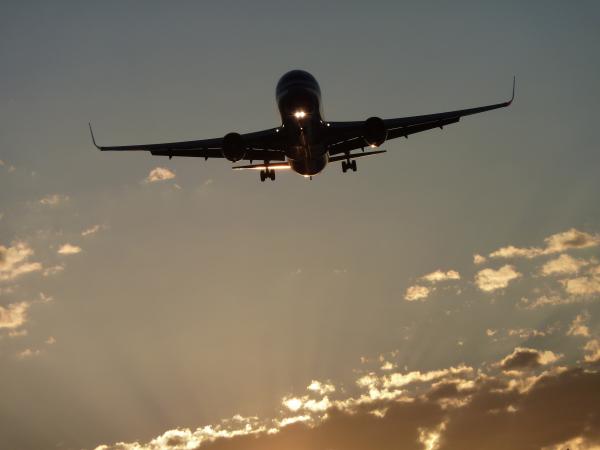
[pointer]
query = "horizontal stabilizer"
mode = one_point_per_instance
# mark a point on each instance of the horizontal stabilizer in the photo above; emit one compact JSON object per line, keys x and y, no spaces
{"x":354,"y":155}
{"x":274,"y":166}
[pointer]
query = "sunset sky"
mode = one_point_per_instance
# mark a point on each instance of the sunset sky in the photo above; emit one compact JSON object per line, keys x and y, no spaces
{"x":445,"y":296}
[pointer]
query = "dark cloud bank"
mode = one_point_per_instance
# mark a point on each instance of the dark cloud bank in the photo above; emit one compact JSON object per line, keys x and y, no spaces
{"x":551,"y":410}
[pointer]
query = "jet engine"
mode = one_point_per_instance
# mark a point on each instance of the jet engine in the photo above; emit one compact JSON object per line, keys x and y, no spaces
{"x":375,"y":132}
{"x":234,"y":148}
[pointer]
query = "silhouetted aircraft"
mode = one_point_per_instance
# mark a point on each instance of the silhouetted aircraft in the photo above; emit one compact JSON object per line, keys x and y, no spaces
{"x":305,"y":142}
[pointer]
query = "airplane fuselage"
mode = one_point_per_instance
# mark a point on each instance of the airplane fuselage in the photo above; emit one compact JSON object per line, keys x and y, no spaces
{"x":299,"y":102}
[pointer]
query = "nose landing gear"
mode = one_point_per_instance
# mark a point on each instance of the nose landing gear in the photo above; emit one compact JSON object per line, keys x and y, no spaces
{"x":267,"y":173}
{"x":349,"y":165}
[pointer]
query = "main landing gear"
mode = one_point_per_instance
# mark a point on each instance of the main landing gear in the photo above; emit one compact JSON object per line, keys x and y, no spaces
{"x":267,"y":173}
{"x":349,"y":165}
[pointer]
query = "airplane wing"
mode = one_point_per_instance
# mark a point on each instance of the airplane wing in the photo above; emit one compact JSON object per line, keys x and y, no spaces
{"x":263,"y":145}
{"x":347,"y":136}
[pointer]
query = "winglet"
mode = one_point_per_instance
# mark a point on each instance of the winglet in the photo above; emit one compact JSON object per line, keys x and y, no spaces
{"x":93,"y":139}
{"x":513,"y":91}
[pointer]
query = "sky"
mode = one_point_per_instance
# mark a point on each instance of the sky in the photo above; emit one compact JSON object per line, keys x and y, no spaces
{"x":445,"y":296}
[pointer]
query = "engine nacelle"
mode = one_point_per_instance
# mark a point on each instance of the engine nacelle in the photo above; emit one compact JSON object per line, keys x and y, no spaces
{"x":375,"y":132}
{"x":234,"y":148}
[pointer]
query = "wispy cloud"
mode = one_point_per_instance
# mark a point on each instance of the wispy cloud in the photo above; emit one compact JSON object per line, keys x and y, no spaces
{"x":92,"y":230}
{"x":547,"y":300}
{"x":579,"y":325}
{"x":28,"y":353}
{"x":17,"y":333}
{"x":556,"y":243}
{"x":69,"y":249}
{"x":14,"y":261}
{"x":53,"y":270}
{"x":54,"y":199}
{"x":14,"y":315}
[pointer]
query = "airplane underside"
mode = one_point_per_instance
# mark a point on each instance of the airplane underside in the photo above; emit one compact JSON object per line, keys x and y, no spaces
{"x":307,"y":167}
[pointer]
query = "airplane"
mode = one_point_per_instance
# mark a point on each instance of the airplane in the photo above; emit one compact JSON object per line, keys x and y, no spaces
{"x":305,"y":142}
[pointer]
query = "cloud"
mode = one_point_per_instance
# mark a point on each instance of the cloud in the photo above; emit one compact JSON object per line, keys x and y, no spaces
{"x":69,"y":249}
{"x":91,"y":230}
{"x":467,"y":413}
{"x":527,"y":358}
{"x":53,"y":270}
{"x":51,"y":340}
{"x":387,"y":365}
{"x":292,"y":403}
{"x":584,"y":286}
{"x":417,"y":292}
{"x":479,"y":259}
{"x":14,"y":261}
{"x":577,"y":443}
{"x":321,"y":388}
{"x":515,"y":252}
{"x":556,"y":243}
{"x":45,"y":298}
{"x":400,"y":379}
{"x":547,"y":300}
{"x":159,"y":174}
{"x":420,"y":292}
{"x":316,"y":405}
{"x":578,"y":326}
{"x":184,"y":438}
{"x":54,"y":199}
{"x":592,"y":350}
{"x":570,"y":239}
{"x":563,"y":265}
{"x":489,"y":280}
{"x":28,"y":353}
{"x":525,"y":333}
{"x":14,"y":315}
{"x":17,"y":333}
{"x":438,"y":275}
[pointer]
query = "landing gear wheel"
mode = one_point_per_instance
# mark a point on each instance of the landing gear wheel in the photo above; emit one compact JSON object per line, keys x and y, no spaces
{"x":272,"y":175}
{"x":353,"y":165}
{"x":344,"y":166}
{"x":263,"y":175}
